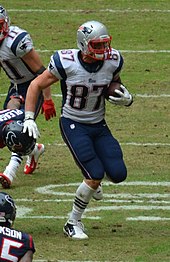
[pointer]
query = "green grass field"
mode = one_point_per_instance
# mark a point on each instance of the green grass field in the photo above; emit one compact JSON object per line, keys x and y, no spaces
{"x":132,"y":222}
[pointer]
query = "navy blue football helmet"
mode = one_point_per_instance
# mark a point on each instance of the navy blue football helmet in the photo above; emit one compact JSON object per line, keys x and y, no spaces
{"x":7,"y":210}
{"x":17,"y":141}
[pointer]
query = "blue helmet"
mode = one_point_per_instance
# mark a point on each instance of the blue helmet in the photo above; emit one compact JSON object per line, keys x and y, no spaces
{"x":17,"y":141}
{"x":7,"y":210}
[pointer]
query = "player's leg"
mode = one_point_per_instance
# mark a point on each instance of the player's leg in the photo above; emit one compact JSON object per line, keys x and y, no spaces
{"x":9,"y":173}
{"x":80,"y":144}
{"x":111,"y":155}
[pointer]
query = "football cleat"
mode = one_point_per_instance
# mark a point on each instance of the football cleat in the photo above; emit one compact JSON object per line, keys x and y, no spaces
{"x":98,"y":194}
{"x":32,"y":159}
{"x":74,"y":230}
{"x":5,"y":181}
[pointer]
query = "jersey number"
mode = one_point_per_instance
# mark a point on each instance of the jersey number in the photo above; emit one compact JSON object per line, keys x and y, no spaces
{"x":79,"y":96}
{"x":7,"y":244}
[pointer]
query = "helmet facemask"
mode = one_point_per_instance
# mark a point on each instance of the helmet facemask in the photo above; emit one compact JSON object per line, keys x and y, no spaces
{"x":99,"y":49}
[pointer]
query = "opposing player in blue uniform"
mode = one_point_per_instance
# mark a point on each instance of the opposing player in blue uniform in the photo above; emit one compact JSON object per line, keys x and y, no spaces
{"x":21,"y":64}
{"x":11,"y":126}
{"x":15,"y":245}
{"x":85,"y":73}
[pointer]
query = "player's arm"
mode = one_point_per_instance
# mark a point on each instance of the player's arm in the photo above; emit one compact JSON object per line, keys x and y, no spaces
{"x":41,"y":82}
{"x":28,"y":257}
{"x":37,"y":85}
{"x":33,"y":60}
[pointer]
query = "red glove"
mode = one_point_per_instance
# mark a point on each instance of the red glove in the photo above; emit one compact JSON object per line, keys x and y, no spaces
{"x":48,"y":108}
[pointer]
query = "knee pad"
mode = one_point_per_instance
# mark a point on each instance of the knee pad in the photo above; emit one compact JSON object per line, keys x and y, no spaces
{"x":118,"y":173}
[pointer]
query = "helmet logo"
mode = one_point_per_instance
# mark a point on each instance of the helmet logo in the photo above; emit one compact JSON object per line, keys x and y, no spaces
{"x":2,"y":11}
{"x":85,"y":30}
{"x":9,"y":200}
{"x":11,"y":141}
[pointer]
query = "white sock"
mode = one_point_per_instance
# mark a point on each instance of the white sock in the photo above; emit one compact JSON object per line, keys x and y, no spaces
{"x":83,"y":195}
{"x":11,"y":169}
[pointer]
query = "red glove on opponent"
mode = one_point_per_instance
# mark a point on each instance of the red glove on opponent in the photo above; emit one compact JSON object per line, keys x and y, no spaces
{"x":48,"y":108}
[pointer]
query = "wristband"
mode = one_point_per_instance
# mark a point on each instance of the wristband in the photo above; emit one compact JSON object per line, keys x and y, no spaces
{"x":29,"y":115}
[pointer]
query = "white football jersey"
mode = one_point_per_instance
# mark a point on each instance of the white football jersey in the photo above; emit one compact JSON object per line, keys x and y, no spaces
{"x":83,"y":91}
{"x":13,"y":48}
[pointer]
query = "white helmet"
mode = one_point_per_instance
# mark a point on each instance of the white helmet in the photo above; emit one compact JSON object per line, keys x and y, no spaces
{"x":93,"y":40}
{"x":4,"y":23}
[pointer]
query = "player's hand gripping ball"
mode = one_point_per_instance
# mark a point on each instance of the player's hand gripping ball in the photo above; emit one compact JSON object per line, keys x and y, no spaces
{"x":110,"y":90}
{"x":118,"y":94}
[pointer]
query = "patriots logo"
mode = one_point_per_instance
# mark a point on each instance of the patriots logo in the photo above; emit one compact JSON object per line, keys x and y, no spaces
{"x":12,"y":141}
{"x":2,"y":10}
{"x":51,"y":67}
{"x":92,"y":80}
{"x":23,"y":45}
{"x":85,"y":30}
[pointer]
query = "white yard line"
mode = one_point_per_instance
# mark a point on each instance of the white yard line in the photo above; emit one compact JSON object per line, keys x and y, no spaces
{"x":136,"y":95}
{"x":122,"y":51}
{"x":40,"y":260}
{"x":118,"y":201}
{"x":146,"y":218}
{"x":124,"y":144}
{"x":92,"y":10}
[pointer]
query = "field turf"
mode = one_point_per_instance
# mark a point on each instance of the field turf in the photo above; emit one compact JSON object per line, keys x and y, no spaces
{"x":132,"y":222}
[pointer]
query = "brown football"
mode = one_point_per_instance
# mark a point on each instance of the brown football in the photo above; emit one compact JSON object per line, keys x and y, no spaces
{"x":110,"y":90}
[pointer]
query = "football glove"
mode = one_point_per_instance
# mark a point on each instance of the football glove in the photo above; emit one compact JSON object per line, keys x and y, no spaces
{"x":30,"y":125}
{"x":124,"y":99}
{"x":48,"y":108}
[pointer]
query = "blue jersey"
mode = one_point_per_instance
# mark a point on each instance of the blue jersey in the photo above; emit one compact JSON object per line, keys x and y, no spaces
{"x":14,"y":244}
{"x":7,"y":115}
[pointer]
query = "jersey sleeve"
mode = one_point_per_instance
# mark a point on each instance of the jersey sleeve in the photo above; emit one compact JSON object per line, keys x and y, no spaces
{"x":31,"y":244}
{"x":28,"y":242}
{"x":64,"y":64}
{"x":56,"y":68}
{"x":117,"y":62}
{"x":22,"y":44}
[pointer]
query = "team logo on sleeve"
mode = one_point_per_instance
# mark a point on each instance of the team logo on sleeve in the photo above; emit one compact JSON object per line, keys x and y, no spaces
{"x":51,"y":67}
{"x":23,"y":44}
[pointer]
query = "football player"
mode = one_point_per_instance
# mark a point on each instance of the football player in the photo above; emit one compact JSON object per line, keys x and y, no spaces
{"x":84,"y":74}
{"x":15,"y":245}
{"x":21,"y":64}
{"x":19,"y":143}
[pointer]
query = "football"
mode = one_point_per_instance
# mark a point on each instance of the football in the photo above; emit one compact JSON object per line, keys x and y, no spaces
{"x":110,"y":90}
